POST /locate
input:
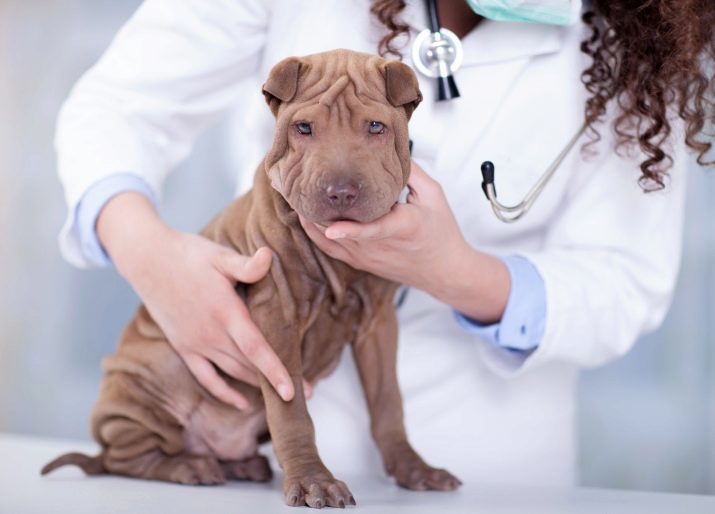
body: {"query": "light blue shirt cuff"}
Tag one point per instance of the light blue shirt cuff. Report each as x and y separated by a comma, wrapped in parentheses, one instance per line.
(91, 204)
(522, 326)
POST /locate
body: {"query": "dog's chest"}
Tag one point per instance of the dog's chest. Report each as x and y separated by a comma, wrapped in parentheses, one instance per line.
(337, 323)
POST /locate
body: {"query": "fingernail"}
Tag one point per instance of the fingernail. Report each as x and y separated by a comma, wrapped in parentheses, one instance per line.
(284, 391)
(242, 405)
(335, 235)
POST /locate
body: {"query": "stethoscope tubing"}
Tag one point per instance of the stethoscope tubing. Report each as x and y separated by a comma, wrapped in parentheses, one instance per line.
(437, 43)
(525, 205)
(433, 16)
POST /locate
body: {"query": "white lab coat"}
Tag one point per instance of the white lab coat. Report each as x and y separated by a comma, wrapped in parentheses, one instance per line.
(608, 253)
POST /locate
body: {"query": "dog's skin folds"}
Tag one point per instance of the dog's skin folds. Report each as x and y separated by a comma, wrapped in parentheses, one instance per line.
(340, 151)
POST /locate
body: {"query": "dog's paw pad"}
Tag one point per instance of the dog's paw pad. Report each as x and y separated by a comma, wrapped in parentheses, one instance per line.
(318, 493)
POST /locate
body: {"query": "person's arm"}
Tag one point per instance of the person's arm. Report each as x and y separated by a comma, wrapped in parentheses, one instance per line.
(201, 315)
(608, 265)
(169, 73)
(521, 326)
(92, 203)
(171, 70)
(419, 244)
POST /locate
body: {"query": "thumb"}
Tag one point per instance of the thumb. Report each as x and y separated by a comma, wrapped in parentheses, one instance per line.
(420, 183)
(246, 269)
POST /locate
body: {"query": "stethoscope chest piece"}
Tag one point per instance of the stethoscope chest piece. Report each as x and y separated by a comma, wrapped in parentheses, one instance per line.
(437, 54)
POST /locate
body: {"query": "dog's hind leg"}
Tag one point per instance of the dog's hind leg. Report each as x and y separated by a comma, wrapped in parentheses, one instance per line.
(141, 439)
(136, 451)
(255, 469)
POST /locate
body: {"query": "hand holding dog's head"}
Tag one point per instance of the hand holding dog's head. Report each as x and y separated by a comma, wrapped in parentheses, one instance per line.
(341, 148)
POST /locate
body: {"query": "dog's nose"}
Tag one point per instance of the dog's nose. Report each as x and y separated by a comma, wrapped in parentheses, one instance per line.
(342, 193)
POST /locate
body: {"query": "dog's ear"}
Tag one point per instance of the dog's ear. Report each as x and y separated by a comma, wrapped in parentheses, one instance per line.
(282, 83)
(402, 87)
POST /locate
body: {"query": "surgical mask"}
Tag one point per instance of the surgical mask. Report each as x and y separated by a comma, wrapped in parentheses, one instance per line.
(550, 12)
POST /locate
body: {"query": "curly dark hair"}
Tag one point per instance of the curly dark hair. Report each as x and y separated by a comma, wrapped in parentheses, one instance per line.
(655, 58)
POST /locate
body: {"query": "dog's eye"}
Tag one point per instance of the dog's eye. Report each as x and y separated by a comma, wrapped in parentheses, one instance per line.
(376, 127)
(304, 128)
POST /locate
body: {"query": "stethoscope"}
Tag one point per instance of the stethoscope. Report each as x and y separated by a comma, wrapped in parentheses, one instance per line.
(437, 53)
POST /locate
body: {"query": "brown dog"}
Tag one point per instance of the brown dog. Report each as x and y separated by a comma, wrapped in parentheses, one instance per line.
(340, 151)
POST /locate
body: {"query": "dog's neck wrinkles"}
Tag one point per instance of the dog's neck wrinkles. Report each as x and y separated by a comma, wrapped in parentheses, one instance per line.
(337, 274)
(308, 265)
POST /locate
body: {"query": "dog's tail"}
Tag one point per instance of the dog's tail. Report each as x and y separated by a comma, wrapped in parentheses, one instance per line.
(90, 465)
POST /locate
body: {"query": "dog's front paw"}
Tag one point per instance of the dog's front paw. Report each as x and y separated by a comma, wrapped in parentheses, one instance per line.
(317, 491)
(411, 472)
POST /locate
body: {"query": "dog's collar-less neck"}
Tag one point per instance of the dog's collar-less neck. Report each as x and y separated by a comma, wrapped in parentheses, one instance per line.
(336, 275)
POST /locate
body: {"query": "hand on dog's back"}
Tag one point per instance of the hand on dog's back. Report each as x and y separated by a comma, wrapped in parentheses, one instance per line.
(187, 283)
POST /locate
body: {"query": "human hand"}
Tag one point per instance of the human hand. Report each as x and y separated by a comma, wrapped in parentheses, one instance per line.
(187, 283)
(416, 243)
(419, 244)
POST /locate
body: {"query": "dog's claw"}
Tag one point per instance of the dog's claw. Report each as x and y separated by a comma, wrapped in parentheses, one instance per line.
(318, 492)
(315, 497)
(294, 496)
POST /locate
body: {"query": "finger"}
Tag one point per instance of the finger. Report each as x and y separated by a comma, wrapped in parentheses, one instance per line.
(307, 389)
(316, 233)
(334, 249)
(235, 368)
(388, 226)
(420, 183)
(214, 384)
(246, 269)
(259, 353)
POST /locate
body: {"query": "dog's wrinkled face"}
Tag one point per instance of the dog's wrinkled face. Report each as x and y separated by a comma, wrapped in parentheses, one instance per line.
(341, 148)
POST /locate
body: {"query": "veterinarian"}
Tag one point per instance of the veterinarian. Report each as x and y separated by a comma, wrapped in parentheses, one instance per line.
(498, 318)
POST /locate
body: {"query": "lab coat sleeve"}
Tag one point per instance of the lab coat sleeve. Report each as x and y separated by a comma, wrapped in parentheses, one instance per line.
(521, 328)
(172, 69)
(609, 264)
(91, 204)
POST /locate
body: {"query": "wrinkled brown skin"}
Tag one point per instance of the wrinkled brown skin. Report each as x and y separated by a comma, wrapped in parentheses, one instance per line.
(153, 420)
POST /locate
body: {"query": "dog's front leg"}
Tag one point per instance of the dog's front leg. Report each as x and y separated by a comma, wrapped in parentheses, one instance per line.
(376, 357)
(306, 479)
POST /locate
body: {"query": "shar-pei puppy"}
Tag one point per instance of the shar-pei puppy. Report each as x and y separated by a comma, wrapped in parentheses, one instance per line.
(340, 152)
